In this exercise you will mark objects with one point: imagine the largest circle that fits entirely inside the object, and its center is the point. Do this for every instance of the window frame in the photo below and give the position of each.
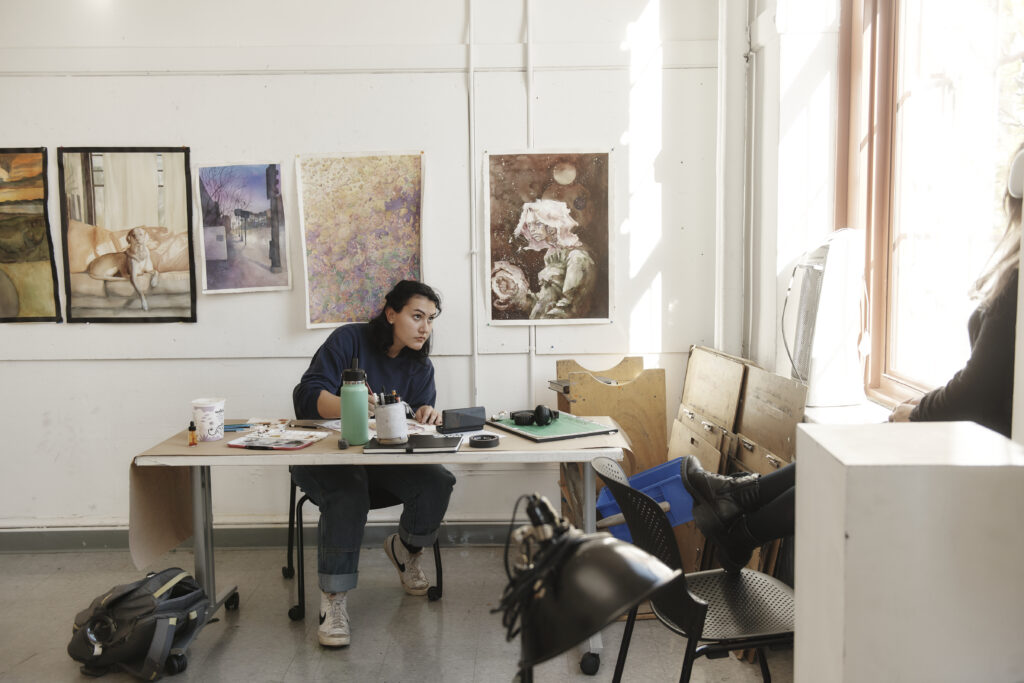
(864, 192)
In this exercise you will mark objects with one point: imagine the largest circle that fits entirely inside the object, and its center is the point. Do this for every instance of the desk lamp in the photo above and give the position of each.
(565, 586)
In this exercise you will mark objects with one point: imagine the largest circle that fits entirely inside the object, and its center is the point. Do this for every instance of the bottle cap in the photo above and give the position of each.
(354, 373)
(191, 426)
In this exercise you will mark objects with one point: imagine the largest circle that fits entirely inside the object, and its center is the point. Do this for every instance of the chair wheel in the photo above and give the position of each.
(175, 664)
(433, 593)
(287, 572)
(232, 602)
(296, 613)
(590, 662)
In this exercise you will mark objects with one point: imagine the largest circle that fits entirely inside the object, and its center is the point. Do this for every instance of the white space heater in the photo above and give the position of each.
(821, 320)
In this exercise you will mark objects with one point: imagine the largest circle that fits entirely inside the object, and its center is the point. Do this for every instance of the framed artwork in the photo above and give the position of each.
(547, 240)
(244, 241)
(127, 229)
(28, 269)
(360, 219)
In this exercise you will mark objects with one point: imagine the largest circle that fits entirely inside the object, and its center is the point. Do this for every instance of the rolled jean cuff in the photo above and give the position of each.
(417, 540)
(338, 583)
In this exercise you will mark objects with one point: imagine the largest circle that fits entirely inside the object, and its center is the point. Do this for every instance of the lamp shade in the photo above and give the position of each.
(595, 582)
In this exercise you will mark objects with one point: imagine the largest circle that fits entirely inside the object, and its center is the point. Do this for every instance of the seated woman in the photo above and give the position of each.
(393, 349)
(741, 513)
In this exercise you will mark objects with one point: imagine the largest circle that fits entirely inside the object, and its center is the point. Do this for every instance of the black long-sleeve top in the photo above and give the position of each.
(983, 390)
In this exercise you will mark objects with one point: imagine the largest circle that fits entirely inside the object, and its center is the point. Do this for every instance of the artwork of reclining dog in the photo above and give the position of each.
(131, 264)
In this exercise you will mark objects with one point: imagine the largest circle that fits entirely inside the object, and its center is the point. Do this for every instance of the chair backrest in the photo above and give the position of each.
(295, 405)
(648, 524)
(646, 520)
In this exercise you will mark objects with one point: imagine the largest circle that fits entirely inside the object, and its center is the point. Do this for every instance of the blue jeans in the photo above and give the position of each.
(345, 493)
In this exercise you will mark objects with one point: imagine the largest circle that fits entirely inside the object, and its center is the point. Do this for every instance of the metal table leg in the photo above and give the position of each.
(590, 661)
(202, 539)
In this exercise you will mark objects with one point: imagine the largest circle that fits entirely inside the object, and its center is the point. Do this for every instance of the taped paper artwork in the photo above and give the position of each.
(548, 238)
(244, 238)
(28, 270)
(360, 220)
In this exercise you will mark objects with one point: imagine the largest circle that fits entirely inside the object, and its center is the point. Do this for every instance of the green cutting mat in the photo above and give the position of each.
(565, 427)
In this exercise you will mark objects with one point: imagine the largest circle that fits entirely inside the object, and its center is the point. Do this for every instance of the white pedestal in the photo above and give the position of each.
(909, 553)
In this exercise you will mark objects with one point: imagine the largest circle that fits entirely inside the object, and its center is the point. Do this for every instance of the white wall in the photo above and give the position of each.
(795, 47)
(266, 83)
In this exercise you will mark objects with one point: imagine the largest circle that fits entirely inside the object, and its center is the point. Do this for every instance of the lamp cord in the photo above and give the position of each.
(522, 587)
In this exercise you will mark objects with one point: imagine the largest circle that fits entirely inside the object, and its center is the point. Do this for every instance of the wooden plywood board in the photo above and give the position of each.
(713, 385)
(701, 426)
(754, 457)
(626, 369)
(772, 407)
(638, 406)
(691, 544)
(684, 442)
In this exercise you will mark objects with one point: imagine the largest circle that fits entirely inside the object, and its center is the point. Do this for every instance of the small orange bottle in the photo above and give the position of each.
(192, 434)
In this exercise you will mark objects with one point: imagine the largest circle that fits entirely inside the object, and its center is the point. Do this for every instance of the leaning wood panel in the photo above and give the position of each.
(626, 369)
(713, 385)
(638, 406)
(772, 407)
(684, 442)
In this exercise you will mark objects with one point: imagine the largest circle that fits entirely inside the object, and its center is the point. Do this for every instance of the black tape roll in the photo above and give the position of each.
(483, 441)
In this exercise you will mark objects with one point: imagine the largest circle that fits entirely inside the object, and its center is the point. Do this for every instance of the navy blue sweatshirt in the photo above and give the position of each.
(412, 378)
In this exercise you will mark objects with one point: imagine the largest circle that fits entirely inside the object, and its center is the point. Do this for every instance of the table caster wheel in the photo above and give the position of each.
(232, 602)
(590, 662)
(433, 593)
(287, 572)
(296, 613)
(175, 664)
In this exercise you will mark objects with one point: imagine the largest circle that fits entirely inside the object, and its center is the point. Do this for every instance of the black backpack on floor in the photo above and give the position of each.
(143, 627)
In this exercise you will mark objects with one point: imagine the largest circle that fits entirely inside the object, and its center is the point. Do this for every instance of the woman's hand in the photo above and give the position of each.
(428, 415)
(901, 413)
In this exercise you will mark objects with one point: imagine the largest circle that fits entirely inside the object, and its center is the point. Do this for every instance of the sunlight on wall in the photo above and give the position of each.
(645, 318)
(806, 148)
(643, 222)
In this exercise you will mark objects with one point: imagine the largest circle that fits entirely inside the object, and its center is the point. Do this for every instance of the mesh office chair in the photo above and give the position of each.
(715, 611)
(378, 499)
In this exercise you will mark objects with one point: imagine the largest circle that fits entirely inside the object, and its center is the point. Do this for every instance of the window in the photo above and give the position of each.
(936, 95)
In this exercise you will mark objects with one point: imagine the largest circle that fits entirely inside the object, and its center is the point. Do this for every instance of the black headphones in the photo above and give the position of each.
(540, 416)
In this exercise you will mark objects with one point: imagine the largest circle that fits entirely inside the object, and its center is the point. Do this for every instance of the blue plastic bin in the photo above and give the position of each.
(662, 482)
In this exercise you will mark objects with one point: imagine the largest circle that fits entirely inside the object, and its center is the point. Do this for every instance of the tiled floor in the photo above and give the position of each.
(395, 637)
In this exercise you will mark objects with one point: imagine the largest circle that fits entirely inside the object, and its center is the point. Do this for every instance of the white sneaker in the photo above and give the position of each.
(333, 631)
(414, 581)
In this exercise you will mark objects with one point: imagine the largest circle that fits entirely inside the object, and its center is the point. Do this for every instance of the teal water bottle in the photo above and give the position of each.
(355, 410)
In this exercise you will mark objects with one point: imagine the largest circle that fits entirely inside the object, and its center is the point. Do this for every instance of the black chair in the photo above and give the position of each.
(379, 499)
(715, 611)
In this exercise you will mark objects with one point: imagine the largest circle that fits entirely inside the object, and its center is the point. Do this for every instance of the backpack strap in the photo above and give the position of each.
(169, 585)
(163, 636)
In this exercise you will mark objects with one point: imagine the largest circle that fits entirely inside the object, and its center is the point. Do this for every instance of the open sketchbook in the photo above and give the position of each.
(418, 443)
(278, 440)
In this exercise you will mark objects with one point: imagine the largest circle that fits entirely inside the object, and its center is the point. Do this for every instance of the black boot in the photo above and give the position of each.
(718, 501)
(736, 547)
